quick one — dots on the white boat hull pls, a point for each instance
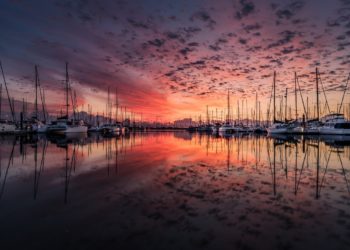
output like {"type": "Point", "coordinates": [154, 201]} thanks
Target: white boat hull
{"type": "Point", "coordinates": [277, 130]}
{"type": "Point", "coordinates": [333, 131]}
{"type": "Point", "coordinates": [76, 129]}
{"type": "Point", "coordinates": [226, 130]}
{"type": "Point", "coordinates": [7, 128]}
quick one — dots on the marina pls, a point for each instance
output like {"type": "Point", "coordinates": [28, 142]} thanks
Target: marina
{"type": "Point", "coordinates": [188, 124]}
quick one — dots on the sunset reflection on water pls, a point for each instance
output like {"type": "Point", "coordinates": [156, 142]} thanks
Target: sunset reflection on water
{"type": "Point", "coordinates": [176, 187]}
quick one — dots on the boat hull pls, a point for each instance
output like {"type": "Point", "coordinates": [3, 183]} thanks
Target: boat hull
{"type": "Point", "coordinates": [7, 128]}
{"type": "Point", "coordinates": [333, 131]}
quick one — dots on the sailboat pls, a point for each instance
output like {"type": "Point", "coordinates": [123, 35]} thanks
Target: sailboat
{"type": "Point", "coordinates": [312, 126]}
{"type": "Point", "coordinates": [206, 128]}
{"type": "Point", "coordinates": [37, 125]}
{"type": "Point", "coordinates": [112, 128]}
{"type": "Point", "coordinates": [277, 127]}
{"type": "Point", "coordinates": [6, 126]}
{"type": "Point", "coordinates": [335, 123]}
{"type": "Point", "coordinates": [63, 125]}
{"type": "Point", "coordinates": [227, 127]}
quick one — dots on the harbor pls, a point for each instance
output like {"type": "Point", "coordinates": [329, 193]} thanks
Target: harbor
{"type": "Point", "coordinates": [185, 125]}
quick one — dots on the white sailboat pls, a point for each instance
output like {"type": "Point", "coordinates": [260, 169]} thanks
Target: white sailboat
{"type": "Point", "coordinates": [227, 127]}
{"type": "Point", "coordinates": [277, 127]}
{"type": "Point", "coordinates": [63, 125]}
{"type": "Point", "coordinates": [112, 128]}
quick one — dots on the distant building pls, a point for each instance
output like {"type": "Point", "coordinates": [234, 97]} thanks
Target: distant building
{"type": "Point", "coordinates": [184, 123]}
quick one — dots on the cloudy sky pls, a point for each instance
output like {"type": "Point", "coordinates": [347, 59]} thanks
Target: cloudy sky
{"type": "Point", "coordinates": [169, 59]}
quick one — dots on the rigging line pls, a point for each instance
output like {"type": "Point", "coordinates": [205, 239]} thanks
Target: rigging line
{"type": "Point", "coordinates": [325, 171]}
{"type": "Point", "coordinates": [7, 169]}
{"type": "Point", "coordinates": [346, 180]}
{"type": "Point", "coordinates": [342, 99]}
{"type": "Point", "coordinates": [301, 172]}
{"type": "Point", "coordinates": [324, 92]}
{"type": "Point", "coordinates": [8, 95]}
{"type": "Point", "coordinates": [301, 95]}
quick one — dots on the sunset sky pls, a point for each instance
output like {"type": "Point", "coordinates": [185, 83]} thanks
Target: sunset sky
{"type": "Point", "coordinates": [169, 59]}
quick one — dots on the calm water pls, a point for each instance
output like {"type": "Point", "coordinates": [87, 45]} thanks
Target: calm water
{"type": "Point", "coordinates": [174, 190]}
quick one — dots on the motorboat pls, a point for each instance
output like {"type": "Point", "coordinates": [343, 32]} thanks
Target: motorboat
{"type": "Point", "coordinates": [334, 124]}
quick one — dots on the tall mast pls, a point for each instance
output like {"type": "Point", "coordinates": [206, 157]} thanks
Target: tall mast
{"type": "Point", "coordinates": [296, 98]}
{"type": "Point", "coordinates": [274, 96]}
{"type": "Point", "coordinates": [42, 94]}
{"type": "Point", "coordinates": [117, 105]}
{"type": "Point", "coordinates": [256, 108]}
{"type": "Point", "coordinates": [259, 114]}
{"type": "Point", "coordinates": [208, 116]}
{"type": "Point", "coordinates": [317, 100]}
{"type": "Point", "coordinates": [8, 95]}
{"type": "Point", "coordinates": [228, 106]}
{"type": "Point", "coordinates": [246, 108]}
{"type": "Point", "coordinates": [0, 100]}
{"type": "Point", "coordinates": [36, 91]}
{"type": "Point", "coordinates": [108, 107]}
{"type": "Point", "coordinates": [238, 112]}
{"type": "Point", "coordinates": [307, 108]}
{"type": "Point", "coordinates": [285, 107]}
{"type": "Point", "coordinates": [67, 90]}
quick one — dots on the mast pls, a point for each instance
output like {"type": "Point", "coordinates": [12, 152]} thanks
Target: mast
{"type": "Point", "coordinates": [208, 116]}
{"type": "Point", "coordinates": [109, 107]}
{"type": "Point", "coordinates": [246, 108]}
{"type": "Point", "coordinates": [8, 95]}
{"type": "Point", "coordinates": [256, 108]}
{"type": "Point", "coordinates": [238, 112]}
{"type": "Point", "coordinates": [274, 96]}
{"type": "Point", "coordinates": [36, 91]}
{"type": "Point", "coordinates": [0, 100]}
{"type": "Point", "coordinates": [307, 108]}
{"type": "Point", "coordinates": [296, 98]}
{"type": "Point", "coordinates": [228, 106]}
{"type": "Point", "coordinates": [259, 115]}
{"type": "Point", "coordinates": [285, 107]}
{"type": "Point", "coordinates": [42, 94]}
{"type": "Point", "coordinates": [317, 100]}
{"type": "Point", "coordinates": [67, 90]}
{"type": "Point", "coordinates": [117, 105]}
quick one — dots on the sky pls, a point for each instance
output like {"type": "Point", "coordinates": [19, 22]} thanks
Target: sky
{"type": "Point", "coordinates": [170, 59]}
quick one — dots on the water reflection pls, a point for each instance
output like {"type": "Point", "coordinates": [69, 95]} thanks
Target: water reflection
{"type": "Point", "coordinates": [171, 178]}
{"type": "Point", "coordinates": [289, 156]}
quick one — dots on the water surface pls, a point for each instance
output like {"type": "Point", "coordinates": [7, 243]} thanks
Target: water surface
{"type": "Point", "coordinates": [175, 190]}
